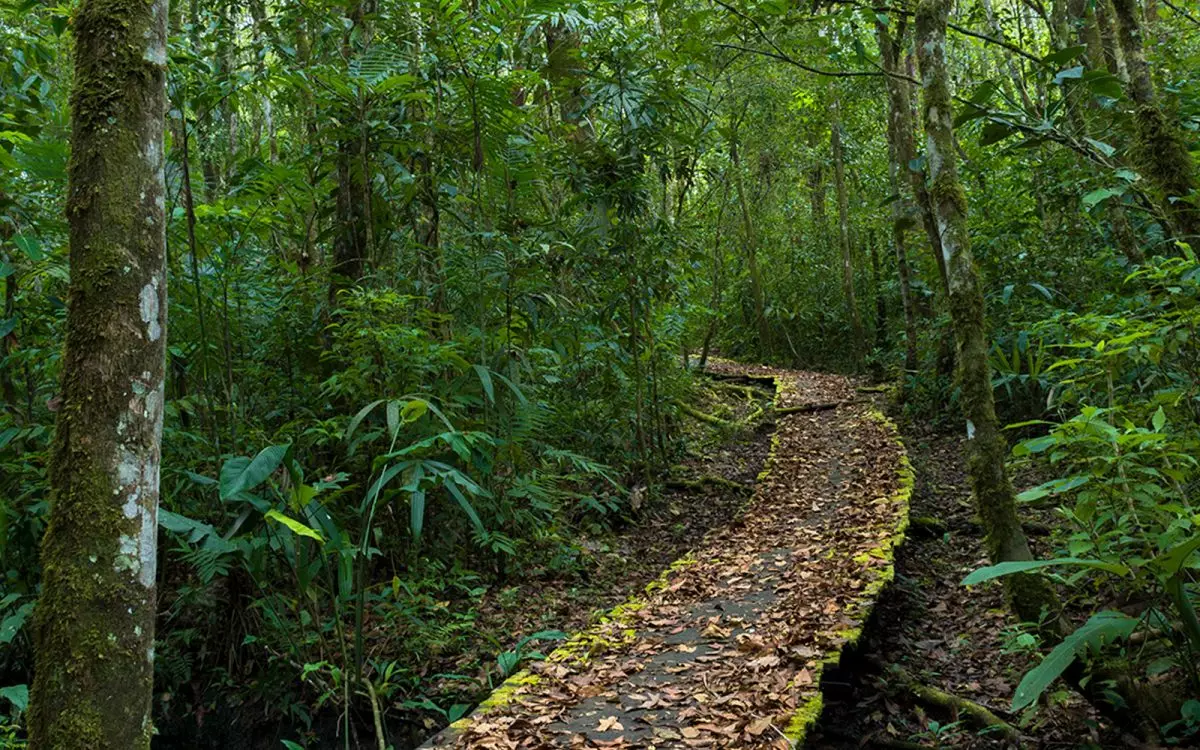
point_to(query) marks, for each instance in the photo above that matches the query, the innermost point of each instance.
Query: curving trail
(727, 648)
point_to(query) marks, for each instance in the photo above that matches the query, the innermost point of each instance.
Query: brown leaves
(725, 650)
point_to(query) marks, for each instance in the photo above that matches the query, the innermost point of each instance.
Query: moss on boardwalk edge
(581, 646)
(617, 628)
(878, 578)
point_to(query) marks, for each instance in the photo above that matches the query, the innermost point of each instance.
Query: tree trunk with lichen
(843, 200)
(986, 447)
(1084, 14)
(900, 149)
(1160, 151)
(94, 625)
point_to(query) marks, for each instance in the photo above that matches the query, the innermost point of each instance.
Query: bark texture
(94, 628)
(1160, 151)
(900, 149)
(986, 447)
(843, 201)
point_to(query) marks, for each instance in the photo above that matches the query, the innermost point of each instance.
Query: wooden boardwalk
(727, 647)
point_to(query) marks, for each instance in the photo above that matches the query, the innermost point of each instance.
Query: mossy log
(695, 413)
(964, 709)
(709, 479)
(809, 408)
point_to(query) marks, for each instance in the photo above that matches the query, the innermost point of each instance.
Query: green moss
(804, 719)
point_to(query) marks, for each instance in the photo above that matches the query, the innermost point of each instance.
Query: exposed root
(978, 715)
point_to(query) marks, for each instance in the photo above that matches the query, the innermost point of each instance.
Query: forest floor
(727, 648)
(944, 636)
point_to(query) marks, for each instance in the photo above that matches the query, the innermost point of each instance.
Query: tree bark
(1160, 152)
(900, 149)
(986, 448)
(751, 240)
(94, 627)
(843, 200)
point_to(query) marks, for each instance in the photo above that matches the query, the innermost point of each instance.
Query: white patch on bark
(128, 555)
(156, 48)
(148, 300)
(148, 544)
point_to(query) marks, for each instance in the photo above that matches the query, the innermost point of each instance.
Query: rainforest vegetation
(354, 353)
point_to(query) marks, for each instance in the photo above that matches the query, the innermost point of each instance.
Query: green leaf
(357, 419)
(1102, 627)
(994, 132)
(241, 475)
(414, 410)
(14, 622)
(1102, 83)
(1171, 561)
(295, 526)
(416, 511)
(1159, 420)
(29, 245)
(1053, 487)
(485, 378)
(465, 505)
(1065, 55)
(1101, 146)
(1068, 74)
(1024, 566)
(194, 530)
(17, 695)
(1097, 197)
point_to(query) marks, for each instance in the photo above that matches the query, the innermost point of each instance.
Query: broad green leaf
(1068, 74)
(416, 511)
(1054, 59)
(1103, 627)
(485, 378)
(1097, 197)
(1101, 146)
(1171, 562)
(1159, 420)
(194, 530)
(12, 624)
(29, 245)
(357, 419)
(242, 475)
(465, 505)
(1053, 487)
(295, 526)
(17, 695)
(1024, 566)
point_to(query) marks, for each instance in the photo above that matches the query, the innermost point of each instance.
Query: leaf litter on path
(727, 647)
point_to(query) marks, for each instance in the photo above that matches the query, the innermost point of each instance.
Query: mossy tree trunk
(94, 627)
(1160, 151)
(900, 149)
(1084, 14)
(986, 447)
(757, 297)
(843, 200)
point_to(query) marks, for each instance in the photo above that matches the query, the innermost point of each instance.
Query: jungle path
(727, 647)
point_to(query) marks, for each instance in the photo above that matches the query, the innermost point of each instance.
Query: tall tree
(94, 632)
(986, 447)
(900, 153)
(1160, 150)
(843, 201)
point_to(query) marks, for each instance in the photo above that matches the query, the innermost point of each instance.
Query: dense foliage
(439, 273)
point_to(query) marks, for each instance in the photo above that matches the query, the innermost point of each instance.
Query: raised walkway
(726, 649)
